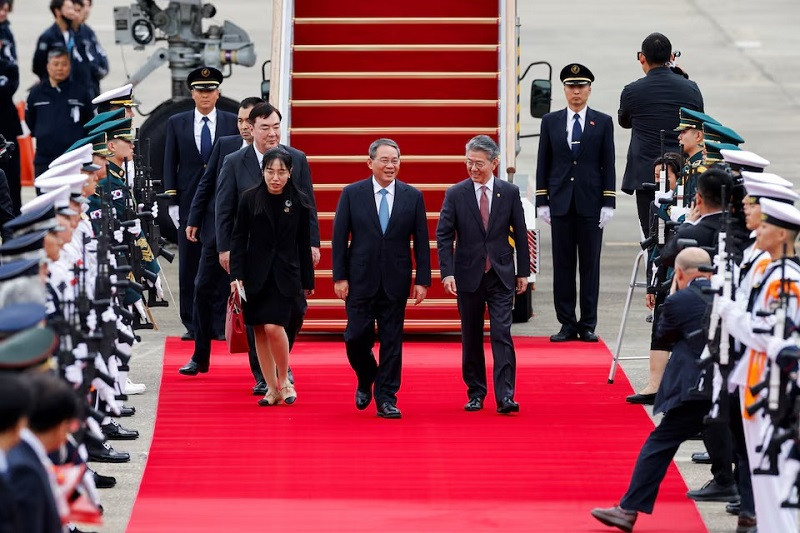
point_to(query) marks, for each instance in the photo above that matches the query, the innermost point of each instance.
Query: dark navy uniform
(94, 54)
(10, 126)
(575, 185)
(80, 71)
(56, 116)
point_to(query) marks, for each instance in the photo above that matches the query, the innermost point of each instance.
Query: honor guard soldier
(119, 98)
(190, 137)
(691, 139)
(776, 236)
(743, 160)
(714, 149)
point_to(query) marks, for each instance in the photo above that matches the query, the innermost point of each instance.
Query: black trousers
(188, 260)
(359, 339)
(11, 167)
(491, 293)
(576, 244)
(678, 425)
(292, 330)
(643, 201)
(211, 289)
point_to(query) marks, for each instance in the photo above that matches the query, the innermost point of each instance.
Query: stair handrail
(280, 66)
(509, 86)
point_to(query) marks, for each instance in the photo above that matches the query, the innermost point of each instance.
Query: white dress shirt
(389, 197)
(571, 121)
(489, 185)
(198, 126)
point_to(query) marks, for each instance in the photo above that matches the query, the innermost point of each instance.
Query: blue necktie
(383, 210)
(576, 134)
(205, 141)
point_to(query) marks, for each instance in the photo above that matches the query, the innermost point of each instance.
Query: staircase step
(418, 172)
(370, 8)
(421, 143)
(335, 113)
(345, 32)
(461, 88)
(409, 58)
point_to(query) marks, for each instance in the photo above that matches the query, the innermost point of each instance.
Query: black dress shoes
(711, 492)
(126, 411)
(641, 399)
(616, 517)
(588, 335)
(363, 399)
(389, 410)
(701, 458)
(106, 454)
(113, 431)
(191, 369)
(474, 404)
(507, 406)
(734, 508)
(188, 336)
(566, 334)
(103, 482)
(260, 389)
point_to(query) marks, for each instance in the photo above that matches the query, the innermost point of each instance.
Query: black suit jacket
(588, 176)
(35, 501)
(647, 106)
(202, 211)
(9, 514)
(6, 207)
(680, 317)
(705, 232)
(183, 165)
(240, 172)
(260, 243)
(373, 259)
(460, 219)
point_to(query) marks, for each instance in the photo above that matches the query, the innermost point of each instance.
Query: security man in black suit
(681, 315)
(212, 280)
(647, 106)
(10, 126)
(15, 402)
(190, 137)
(375, 220)
(241, 170)
(575, 181)
(479, 217)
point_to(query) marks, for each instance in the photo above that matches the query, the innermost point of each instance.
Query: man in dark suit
(10, 126)
(481, 213)
(703, 221)
(681, 316)
(647, 106)
(372, 272)
(212, 282)
(54, 410)
(575, 181)
(190, 137)
(15, 402)
(241, 170)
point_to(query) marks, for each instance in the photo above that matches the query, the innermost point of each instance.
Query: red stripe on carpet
(219, 462)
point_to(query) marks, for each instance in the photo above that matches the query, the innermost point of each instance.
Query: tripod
(632, 285)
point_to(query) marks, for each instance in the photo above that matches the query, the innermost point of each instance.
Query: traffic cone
(25, 143)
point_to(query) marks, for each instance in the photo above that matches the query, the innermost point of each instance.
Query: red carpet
(219, 462)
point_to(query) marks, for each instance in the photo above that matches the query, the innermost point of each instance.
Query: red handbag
(235, 333)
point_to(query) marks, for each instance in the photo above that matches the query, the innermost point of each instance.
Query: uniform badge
(116, 194)
(97, 213)
(575, 69)
(288, 204)
(205, 73)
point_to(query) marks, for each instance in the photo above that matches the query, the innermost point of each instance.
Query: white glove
(159, 289)
(81, 352)
(154, 209)
(667, 196)
(606, 214)
(725, 306)
(544, 213)
(676, 213)
(94, 426)
(109, 315)
(136, 229)
(118, 234)
(106, 394)
(91, 320)
(775, 345)
(717, 281)
(174, 214)
(74, 374)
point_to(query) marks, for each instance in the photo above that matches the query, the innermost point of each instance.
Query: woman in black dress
(271, 261)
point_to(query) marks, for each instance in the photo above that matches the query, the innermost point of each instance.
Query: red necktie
(484, 208)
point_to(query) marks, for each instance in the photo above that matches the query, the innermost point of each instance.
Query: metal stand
(632, 285)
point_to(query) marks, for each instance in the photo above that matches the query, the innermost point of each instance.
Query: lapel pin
(498, 195)
(288, 204)
(591, 122)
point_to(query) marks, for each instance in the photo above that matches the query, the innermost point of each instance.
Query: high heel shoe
(271, 398)
(288, 394)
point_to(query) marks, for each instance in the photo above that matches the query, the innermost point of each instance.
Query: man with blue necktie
(575, 182)
(190, 138)
(375, 221)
